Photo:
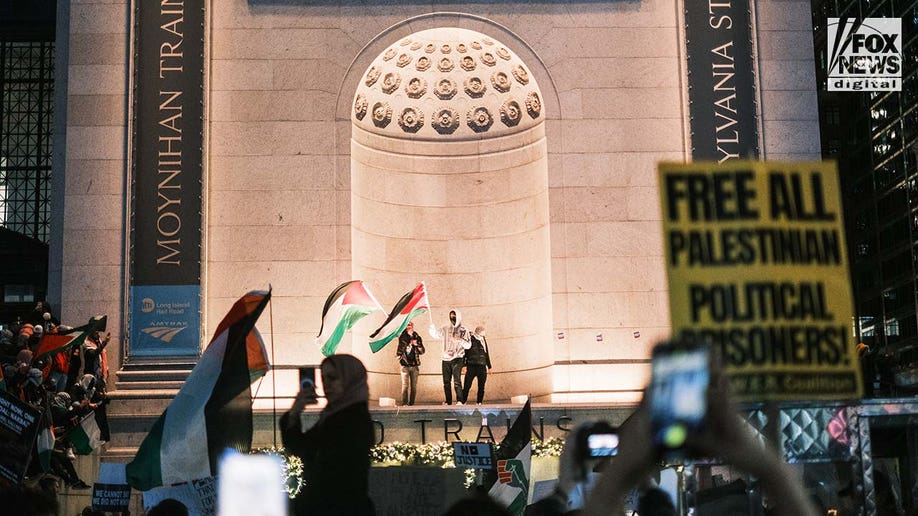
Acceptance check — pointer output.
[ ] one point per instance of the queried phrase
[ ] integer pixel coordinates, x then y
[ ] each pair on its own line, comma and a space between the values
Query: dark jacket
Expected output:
478, 353
336, 462
412, 358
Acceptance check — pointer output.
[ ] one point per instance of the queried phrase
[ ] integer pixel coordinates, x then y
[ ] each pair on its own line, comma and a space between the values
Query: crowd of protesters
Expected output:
64, 380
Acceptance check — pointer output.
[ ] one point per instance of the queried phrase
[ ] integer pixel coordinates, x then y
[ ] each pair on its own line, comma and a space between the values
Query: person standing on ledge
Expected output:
456, 340
410, 349
477, 364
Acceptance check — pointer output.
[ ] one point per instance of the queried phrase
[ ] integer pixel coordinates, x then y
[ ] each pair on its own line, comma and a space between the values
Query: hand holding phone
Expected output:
597, 440
307, 394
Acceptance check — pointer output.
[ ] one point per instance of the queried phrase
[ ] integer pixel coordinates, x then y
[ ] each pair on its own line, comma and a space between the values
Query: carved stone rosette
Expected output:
390, 82
416, 87
382, 114
510, 113
475, 87
467, 63
445, 65
445, 121
446, 89
479, 119
411, 120
520, 74
389, 54
533, 104
503, 53
360, 106
501, 82
372, 76
423, 63
488, 59
403, 60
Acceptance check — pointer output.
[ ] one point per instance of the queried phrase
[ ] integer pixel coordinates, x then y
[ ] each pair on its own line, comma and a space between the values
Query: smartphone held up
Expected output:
678, 393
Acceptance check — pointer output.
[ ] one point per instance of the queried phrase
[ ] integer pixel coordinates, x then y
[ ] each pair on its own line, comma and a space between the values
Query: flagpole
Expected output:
429, 315
273, 371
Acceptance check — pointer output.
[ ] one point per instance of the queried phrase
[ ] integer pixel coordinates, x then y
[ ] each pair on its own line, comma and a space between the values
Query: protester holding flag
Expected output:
410, 349
213, 410
336, 450
456, 340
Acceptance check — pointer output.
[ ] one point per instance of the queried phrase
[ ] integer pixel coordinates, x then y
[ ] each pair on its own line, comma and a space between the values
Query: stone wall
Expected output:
282, 76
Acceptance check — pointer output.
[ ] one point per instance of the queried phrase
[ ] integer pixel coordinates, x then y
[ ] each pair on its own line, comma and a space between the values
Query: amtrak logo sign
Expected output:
864, 55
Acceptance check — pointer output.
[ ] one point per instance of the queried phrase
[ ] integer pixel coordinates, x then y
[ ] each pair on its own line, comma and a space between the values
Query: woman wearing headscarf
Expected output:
336, 450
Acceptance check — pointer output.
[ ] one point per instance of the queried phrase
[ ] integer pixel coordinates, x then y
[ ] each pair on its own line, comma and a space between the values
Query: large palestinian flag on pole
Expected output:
54, 343
413, 303
213, 409
510, 485
346, 305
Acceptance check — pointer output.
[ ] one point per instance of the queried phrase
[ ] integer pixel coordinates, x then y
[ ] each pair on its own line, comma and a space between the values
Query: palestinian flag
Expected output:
53, 343
410, 305
86, 436
346, 305
45, 442
213, 409
510, 485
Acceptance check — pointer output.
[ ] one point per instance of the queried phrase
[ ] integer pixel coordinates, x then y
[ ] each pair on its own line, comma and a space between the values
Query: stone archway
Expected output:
449, 185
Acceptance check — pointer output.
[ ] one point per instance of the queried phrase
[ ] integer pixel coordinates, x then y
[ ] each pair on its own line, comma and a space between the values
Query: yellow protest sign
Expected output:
758, 268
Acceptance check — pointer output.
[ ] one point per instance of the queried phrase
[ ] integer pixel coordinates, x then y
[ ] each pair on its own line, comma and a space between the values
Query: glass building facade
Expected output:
874, 138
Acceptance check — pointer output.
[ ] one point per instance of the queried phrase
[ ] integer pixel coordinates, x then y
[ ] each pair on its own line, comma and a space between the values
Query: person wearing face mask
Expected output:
456, 339
477, 364
336, 450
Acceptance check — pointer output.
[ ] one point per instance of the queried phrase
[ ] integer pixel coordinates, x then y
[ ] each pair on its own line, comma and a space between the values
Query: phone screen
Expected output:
679, 388
602, 445
307, 377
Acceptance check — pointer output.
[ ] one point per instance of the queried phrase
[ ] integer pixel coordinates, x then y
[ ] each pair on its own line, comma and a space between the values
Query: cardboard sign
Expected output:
410, 490
473, 455
758, 268
19, 426
111, 497
198, 496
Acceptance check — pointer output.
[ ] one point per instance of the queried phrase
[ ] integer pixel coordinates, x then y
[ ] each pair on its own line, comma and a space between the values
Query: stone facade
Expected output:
280, 93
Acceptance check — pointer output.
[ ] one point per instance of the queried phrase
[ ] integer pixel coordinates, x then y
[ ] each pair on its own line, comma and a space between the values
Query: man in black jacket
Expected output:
477, 364
410, 349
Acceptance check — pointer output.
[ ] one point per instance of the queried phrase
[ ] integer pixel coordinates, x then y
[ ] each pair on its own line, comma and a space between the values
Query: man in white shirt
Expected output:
456, 339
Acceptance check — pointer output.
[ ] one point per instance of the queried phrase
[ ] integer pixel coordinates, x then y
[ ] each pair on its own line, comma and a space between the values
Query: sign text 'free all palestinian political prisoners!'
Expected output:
757, 266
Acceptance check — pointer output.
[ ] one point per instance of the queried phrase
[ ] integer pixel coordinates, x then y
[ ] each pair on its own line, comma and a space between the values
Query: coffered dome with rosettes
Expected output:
447, 84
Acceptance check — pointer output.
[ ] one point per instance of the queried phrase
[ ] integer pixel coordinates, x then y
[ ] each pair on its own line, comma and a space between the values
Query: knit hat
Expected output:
24, 356
35, 376
27, 330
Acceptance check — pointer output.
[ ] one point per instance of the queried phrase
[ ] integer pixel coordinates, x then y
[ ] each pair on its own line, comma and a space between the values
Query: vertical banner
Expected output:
165, 289
721, 81
758, 269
